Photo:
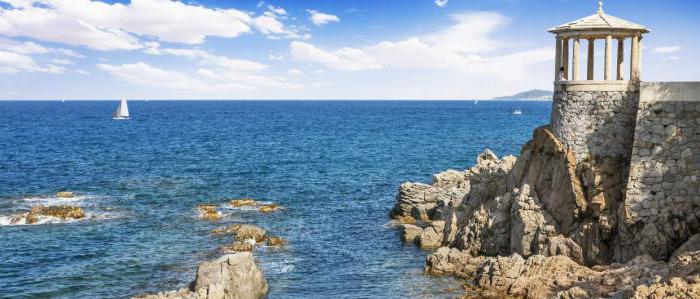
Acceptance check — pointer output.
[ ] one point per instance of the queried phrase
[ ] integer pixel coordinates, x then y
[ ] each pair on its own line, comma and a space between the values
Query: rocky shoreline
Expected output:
535, 227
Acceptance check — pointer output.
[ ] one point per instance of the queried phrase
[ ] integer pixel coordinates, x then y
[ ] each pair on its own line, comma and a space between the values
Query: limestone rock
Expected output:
241, 245
432, 236
233, 276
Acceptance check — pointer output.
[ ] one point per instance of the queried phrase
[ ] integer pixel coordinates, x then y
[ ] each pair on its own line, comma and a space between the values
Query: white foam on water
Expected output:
246, 208
52, 200
21, 219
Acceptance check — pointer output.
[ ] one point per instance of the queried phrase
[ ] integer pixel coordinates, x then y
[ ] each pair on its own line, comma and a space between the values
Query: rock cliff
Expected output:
540, 225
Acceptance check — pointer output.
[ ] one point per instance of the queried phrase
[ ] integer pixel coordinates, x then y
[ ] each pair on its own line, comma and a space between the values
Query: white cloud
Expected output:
295, 72
666, 50
344, 59
62, 61
82, 72
468, 47
11, 63
277, 57
441, 3
319, 19
144, 74
215, 74
104, 26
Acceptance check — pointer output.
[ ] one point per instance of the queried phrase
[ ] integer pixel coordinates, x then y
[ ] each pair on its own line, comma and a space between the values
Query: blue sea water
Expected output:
334, 165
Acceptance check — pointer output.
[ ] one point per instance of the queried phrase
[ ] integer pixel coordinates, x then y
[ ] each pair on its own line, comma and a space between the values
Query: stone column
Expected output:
574, 63
620, 58
634, 57
639, 58
608, 58
591, 59
557, 58
565, 58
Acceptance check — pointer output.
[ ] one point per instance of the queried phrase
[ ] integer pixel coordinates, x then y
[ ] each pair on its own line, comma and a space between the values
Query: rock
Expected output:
276, 241
269, 208
243, 232
233, 276
243, 202
244, 245
406, 219
432, 236
62, 212
410, 233
64, 194
208, 212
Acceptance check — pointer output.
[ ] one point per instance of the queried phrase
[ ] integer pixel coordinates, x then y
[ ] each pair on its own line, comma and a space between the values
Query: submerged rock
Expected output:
208, 212
233, 276
65, 194
61, 212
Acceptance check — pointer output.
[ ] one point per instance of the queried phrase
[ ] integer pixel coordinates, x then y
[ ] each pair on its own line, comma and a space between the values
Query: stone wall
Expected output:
662, 202
595, 119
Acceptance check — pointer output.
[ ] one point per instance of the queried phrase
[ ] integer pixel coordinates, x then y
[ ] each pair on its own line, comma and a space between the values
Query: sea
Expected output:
335, 167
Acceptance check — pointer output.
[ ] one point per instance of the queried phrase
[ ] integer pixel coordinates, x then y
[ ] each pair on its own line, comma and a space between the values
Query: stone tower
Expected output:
596, 118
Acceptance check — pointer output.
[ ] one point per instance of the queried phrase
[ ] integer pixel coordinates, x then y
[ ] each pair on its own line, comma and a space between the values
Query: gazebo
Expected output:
598, 26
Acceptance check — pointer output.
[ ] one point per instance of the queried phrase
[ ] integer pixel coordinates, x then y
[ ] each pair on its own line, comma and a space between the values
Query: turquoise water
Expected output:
335, 166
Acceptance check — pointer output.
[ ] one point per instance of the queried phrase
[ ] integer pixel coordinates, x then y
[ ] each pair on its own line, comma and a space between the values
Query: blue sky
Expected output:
313, 49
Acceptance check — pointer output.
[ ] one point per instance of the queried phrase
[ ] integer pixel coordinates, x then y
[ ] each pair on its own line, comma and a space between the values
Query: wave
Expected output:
21, 219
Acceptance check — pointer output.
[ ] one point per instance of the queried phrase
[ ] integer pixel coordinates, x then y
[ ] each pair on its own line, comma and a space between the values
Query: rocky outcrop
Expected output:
276, 241
560, 277
233, 276
532, 226
244, 202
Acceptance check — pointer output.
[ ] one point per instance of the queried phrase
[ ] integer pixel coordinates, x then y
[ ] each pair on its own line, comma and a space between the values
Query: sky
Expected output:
313, 49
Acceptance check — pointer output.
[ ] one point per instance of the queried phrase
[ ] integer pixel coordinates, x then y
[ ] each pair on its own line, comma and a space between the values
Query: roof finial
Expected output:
600, 8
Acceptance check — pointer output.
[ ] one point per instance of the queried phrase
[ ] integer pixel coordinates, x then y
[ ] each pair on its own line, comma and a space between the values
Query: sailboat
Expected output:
122, 111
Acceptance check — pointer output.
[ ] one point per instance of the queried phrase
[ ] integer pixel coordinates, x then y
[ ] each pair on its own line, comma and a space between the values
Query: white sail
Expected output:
122, 111
123, 108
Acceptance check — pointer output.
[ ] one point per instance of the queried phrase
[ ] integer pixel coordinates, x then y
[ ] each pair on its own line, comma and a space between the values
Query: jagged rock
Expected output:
243, 202
65, 194
233, 276
62, 212
674, 288
276, 241
208, 212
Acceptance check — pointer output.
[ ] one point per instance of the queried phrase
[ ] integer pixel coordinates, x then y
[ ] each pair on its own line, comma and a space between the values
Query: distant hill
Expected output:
535, 94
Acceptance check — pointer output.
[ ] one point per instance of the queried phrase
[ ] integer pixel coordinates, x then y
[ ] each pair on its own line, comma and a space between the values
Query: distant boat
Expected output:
517, 112
122, 111
63, 100
476, 102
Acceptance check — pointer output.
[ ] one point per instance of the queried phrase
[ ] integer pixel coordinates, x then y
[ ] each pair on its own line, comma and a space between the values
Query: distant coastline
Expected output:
530, 95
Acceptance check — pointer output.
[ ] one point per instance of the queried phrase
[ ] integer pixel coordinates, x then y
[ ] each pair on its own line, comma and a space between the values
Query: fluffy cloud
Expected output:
666, 50
215, 74
320, 19
104, 26
344, 59
465, 46
19, 57
11, 63
441, 3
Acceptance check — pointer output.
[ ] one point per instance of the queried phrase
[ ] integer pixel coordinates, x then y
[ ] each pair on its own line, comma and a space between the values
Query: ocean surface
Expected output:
334, 165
